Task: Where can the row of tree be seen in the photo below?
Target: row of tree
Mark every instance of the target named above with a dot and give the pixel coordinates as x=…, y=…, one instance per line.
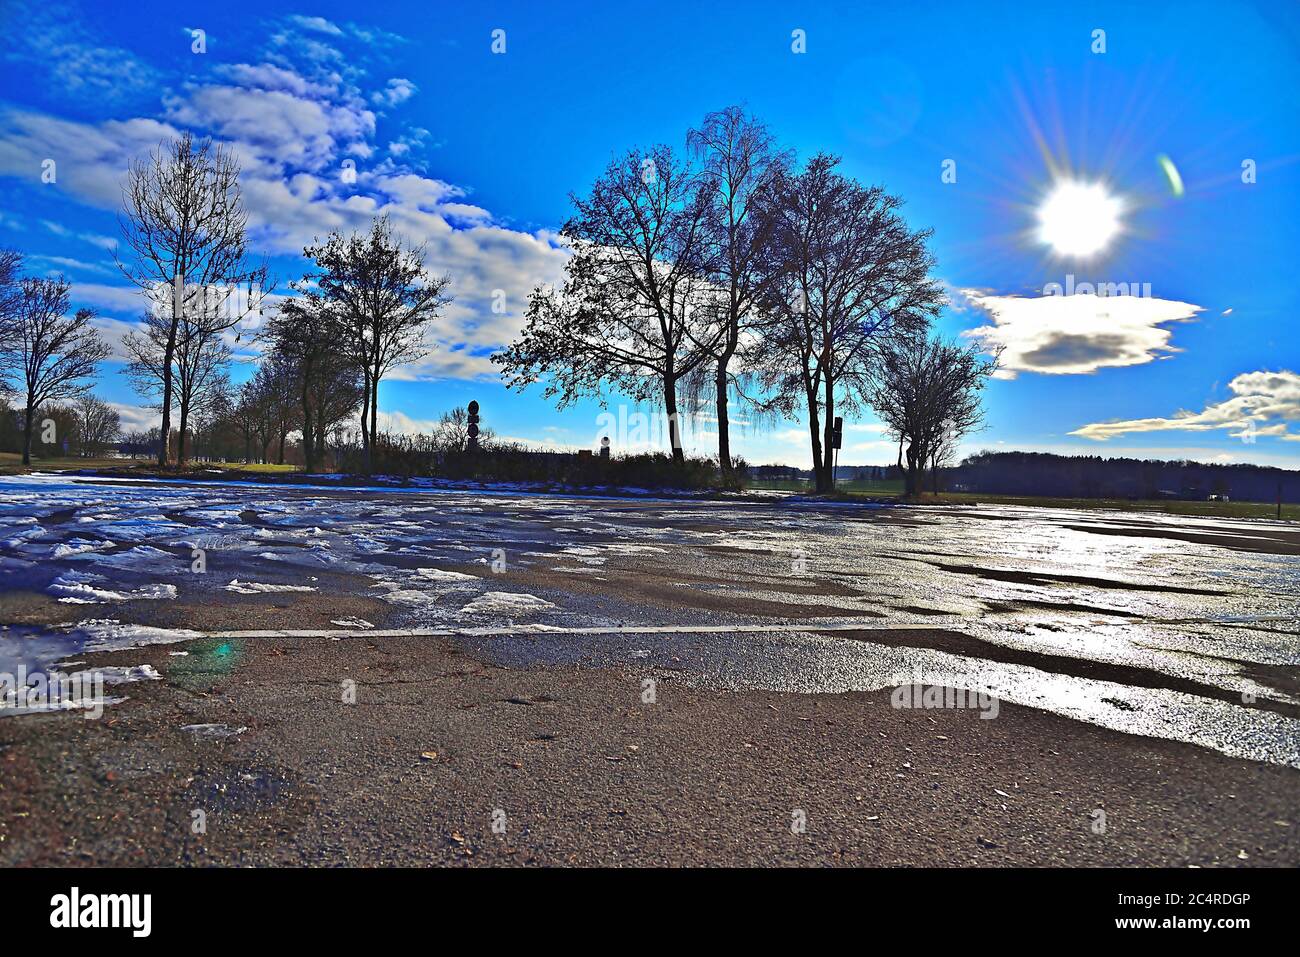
x=361, y=311
x=87, y=427
x=729, y=271
x=48, y=354
x=726, y=273
x=1092, y=476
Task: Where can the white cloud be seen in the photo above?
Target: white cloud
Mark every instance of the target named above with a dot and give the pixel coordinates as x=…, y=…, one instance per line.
x=399, y=423
x=1074, y=334
x=292, y=130
x=107, y=243
x=318, y=24
x=90, y=159
x=278, y=127
x=1262, y=404
x=129, y=299
x=49, y=37
x=137, y=418
x=398, y=90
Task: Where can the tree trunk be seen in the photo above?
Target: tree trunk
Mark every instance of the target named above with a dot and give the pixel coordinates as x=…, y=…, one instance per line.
x=724, y=426
x=828, y=427
x=374, y=418
x=27, y=434
x=915, y=465
x=815, y=432
x=366, y=438
x=169, y=354
x=674, y=427
x=180, y=439
x=308, y=433
x=283, y=436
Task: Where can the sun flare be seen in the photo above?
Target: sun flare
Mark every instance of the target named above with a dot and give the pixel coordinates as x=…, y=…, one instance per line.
x=1079, y=219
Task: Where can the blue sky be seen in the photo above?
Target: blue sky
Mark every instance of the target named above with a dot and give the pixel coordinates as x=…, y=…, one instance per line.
x=474, y=153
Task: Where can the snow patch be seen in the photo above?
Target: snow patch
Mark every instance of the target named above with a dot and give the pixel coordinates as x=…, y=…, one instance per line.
x=257, y=588
x=505, y=603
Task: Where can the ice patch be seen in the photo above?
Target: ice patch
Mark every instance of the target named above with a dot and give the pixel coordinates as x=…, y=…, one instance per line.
x=76, y=589
x=257, y=588
x=139, y=558
x=119, y=674
x=212, y=730
x=440, y=575
x=505, y=603
x=108, y=634
x=78, y=546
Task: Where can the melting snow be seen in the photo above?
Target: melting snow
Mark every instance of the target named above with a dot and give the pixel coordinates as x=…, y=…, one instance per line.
x=256, y=588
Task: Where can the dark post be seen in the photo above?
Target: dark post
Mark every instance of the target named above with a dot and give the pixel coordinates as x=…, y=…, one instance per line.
x=604, y=447
x=472, y=429
x=837, y=438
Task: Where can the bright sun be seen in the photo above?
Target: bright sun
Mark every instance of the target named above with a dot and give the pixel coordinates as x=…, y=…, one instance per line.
x=1079, y=219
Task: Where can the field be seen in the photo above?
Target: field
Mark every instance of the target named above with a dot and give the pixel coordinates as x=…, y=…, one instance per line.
x=11, y=463
x=894, y=489
x=856, y=487
x=1290, y=511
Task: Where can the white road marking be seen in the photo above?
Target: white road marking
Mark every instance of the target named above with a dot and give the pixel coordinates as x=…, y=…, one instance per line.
x=534, y=630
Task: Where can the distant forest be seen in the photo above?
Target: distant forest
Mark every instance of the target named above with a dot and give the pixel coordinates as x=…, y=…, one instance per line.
x=1082, y=476
x=1091, y=476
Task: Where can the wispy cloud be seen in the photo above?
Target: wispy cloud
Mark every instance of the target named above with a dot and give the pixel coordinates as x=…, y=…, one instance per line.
x=1262, y=404
x=51, y=38
x=398, y=90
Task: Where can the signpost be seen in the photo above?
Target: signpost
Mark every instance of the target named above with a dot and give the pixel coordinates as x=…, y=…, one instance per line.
x=837, y=437
x=472, y=429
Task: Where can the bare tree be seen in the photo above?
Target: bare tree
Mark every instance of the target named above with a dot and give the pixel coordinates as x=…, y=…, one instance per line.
x=185, y=225
x=199, y=360
x=844, y=274
x=249, y=416
x=328, y=385
x=11, y=294
x=50, y=355
x=281, y=401
x=140, y=442
x=927, y=393
x=741, y=165
x=634, y=311
x=98, y=424
x=452, y=431
x=382, y=299
x=212, y=422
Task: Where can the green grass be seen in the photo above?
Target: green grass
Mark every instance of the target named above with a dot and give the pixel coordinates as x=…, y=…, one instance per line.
x=11, y=463
x=251, y=467
x=863, y=487
x=1166, y=506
